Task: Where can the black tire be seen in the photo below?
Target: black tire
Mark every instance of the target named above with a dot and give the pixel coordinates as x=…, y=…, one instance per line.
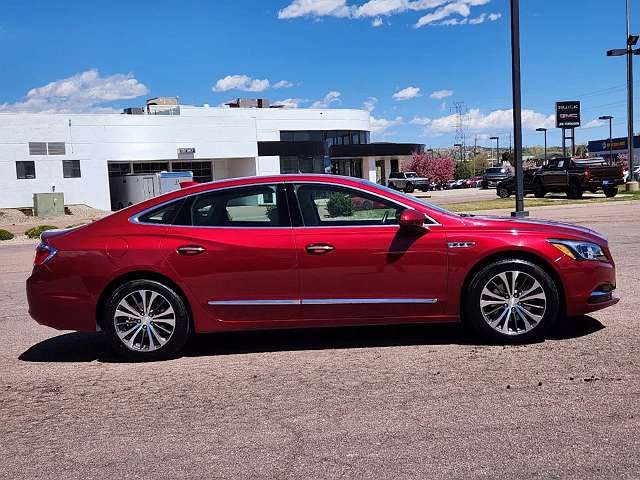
x=538, y=190
x=574, y=191
x=176, y=340
x=610, y=192
x=409, y=188
x=484, y=185
x=473, y=314
x=367, y=205
x=503, y=192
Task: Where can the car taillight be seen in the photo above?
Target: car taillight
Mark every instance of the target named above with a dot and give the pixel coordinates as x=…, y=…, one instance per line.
x=44, y=253
x=587, y=174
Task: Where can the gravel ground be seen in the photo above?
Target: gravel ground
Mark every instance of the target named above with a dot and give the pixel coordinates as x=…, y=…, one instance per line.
x=369, y=402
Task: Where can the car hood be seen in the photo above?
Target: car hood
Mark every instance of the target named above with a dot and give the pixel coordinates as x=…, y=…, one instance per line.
x=547, y=227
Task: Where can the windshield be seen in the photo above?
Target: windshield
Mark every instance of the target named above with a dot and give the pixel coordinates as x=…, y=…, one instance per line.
x=410, y=197
x=495, y=170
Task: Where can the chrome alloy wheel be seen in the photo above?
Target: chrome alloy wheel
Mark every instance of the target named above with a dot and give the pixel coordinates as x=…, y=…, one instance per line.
x=513, y=303
x=144, y=320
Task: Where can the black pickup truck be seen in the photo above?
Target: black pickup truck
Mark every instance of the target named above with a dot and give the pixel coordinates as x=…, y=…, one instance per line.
x=576, y=176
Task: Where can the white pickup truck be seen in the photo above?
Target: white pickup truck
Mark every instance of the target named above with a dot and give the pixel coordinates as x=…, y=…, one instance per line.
x=408, y=182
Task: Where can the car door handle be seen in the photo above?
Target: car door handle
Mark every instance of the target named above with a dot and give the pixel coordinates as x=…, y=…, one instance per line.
x=319, y=248
x=190, y=250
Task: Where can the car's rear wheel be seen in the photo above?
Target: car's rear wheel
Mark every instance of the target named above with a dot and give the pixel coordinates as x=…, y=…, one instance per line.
x=409, y=188
x=538, y=190
x=503, y=192
x=512, y=301
x=146, y=320
x=610, y=192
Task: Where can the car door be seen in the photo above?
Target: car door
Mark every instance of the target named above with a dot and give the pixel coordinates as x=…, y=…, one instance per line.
x=233, y=249
x=355, y=261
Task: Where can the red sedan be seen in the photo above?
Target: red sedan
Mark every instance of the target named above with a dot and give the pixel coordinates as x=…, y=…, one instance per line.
x=292, y=251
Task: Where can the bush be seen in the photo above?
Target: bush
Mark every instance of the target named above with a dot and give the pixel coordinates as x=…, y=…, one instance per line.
x=340, y=205
x=35, y=232
x=5, y=235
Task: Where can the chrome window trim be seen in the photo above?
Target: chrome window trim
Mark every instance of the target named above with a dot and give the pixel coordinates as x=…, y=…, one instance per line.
x=135, y=219
x=315, y=182
x=325, y=301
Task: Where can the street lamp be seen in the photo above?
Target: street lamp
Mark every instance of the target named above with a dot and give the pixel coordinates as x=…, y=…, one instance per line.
x=542, y=129
x=629, y=51
x=608, y=117
x=497, y=139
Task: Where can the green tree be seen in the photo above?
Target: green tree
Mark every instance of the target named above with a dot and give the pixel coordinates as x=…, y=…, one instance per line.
x=463, y=170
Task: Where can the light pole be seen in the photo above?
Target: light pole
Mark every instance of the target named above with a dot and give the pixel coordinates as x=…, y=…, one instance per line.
x=517, y=108
x=542, y=129
x=608, y=117
x=629, y=51
x=497, y=139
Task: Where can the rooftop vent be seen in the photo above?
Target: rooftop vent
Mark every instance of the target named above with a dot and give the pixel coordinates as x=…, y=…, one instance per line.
x=248, y=103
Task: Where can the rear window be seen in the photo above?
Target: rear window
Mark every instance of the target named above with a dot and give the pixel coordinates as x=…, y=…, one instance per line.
x=411, y=174
x=163, y=215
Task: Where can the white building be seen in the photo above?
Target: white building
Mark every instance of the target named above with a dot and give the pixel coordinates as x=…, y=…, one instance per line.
x=76, y=153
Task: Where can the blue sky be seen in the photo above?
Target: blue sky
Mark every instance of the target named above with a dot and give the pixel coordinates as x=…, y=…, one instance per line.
x=408, y=61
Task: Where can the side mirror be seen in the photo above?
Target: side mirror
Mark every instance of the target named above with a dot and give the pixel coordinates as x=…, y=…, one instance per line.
x=412, y=219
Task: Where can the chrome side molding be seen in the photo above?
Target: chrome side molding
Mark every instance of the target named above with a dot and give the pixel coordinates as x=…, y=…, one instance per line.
x=324, y=301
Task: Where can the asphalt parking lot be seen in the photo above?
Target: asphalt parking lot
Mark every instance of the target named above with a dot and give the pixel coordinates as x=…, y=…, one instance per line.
x=369, y=402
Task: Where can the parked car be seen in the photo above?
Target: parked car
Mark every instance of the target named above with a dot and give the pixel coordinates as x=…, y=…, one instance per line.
x=280, y=252
x=507, y=187
x=408, y=182
x=475, y=182
x=636, y=174
x=493, y=175
x=575, y=176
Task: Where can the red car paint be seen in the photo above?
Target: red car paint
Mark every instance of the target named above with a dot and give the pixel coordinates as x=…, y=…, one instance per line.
x=66, y=291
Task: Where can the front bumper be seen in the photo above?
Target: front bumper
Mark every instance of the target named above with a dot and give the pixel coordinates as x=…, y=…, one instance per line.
x=589, y=286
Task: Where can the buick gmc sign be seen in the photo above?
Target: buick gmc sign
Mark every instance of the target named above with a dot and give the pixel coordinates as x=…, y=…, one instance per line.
x=567, y=114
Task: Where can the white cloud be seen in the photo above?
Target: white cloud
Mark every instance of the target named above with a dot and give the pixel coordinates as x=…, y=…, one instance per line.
x=498, y=120
x=370, y=103
x=420, y=121
x=289, y=102
x=440, y=94
x=379, y=125
x=443, y=106
x=459, y=7
x=315, y=8
x=240, y=82
x=82, y=92
x=438, y=11
x=406, y=93
x=283, y=84
x=593, y=123
x=330, y=98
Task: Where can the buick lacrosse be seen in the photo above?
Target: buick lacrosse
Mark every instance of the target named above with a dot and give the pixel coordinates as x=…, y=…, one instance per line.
x=306, y=251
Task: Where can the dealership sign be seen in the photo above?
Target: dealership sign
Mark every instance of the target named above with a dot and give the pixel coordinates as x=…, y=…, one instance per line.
x=567, y=114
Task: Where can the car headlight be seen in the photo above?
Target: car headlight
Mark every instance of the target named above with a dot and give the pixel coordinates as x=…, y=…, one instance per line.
x=579, y=250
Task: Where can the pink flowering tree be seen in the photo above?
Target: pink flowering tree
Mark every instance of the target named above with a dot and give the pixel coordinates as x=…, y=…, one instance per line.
x=439, y=169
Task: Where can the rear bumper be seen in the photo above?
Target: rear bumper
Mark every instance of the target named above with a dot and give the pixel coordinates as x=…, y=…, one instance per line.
x=60, y=303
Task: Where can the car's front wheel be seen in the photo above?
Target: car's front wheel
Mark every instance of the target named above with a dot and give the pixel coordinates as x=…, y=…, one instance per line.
x=409, y=188
x=512, y=301
x=503, y=192
x=146, y=320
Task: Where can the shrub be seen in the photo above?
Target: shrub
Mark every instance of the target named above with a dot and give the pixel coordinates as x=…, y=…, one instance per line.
x=5, y=235
x=35, y=232
x=340, y=205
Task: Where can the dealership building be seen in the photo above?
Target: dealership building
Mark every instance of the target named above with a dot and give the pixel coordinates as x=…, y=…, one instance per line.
x=76, y=154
